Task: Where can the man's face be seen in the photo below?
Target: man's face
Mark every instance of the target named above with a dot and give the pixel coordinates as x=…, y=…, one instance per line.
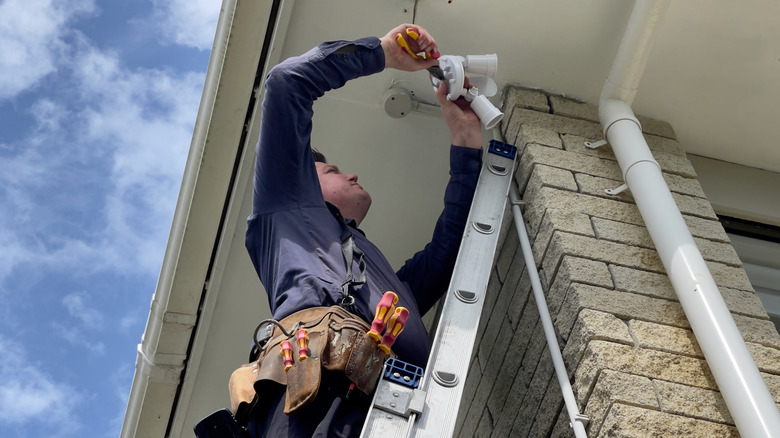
x=343, y=191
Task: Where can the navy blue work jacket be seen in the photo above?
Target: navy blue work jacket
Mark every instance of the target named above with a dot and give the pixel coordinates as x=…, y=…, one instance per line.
x=292, y=237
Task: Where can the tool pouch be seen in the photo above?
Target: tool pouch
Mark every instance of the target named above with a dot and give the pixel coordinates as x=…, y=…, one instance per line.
x=337, y=342
x=303, y=379
x=365, y=363
x=243, y=397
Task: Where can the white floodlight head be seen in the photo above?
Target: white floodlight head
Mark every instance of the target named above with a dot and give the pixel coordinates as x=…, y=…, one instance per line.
x=485, y=65
x=455, y=69
x=488, y=114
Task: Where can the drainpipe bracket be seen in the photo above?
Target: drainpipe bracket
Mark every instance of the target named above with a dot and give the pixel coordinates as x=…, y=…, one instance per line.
x=514, y=199
x=519, y=203
x=617, y=190
x=595, y=144
x=582, y=418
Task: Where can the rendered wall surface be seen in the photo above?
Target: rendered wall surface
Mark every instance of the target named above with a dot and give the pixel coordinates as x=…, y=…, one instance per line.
x=634, y=363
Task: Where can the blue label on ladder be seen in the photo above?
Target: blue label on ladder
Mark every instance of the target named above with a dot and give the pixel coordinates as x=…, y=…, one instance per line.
x=502, y=149
x=402, y=373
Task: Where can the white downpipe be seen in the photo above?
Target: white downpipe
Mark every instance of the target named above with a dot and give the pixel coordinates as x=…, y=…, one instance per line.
x=739, y=380
x=576, y=420
x=631, y=58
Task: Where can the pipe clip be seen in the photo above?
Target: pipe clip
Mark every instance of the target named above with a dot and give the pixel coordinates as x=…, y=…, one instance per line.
x=617, y=190
x=596, y=144
x=582, y=418
x=514, y=197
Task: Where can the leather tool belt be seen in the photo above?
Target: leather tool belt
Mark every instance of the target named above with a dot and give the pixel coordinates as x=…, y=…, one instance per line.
x=337, y=342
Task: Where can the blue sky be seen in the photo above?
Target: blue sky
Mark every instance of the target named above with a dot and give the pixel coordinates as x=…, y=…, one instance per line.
x=97, y=106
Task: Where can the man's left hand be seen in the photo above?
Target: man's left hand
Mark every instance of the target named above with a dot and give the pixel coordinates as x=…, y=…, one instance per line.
x=464, y=124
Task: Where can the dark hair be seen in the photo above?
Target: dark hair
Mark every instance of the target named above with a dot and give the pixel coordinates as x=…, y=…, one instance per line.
x=318, y=156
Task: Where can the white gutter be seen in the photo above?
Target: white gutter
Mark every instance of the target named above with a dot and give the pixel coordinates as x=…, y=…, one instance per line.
x=152, y=367
x=746, y=395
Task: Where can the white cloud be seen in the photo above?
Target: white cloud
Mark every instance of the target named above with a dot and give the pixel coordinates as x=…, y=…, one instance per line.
x=13, y=253
x=77, y=308
x=90, y=188
x=76, y=336
x=121, y=381
x=145, y=119
x=95, y=184
x=32, y=34
x=110, y=147
x=90, y=320
x=130, y=321
x=188, y=22
x=30, y=395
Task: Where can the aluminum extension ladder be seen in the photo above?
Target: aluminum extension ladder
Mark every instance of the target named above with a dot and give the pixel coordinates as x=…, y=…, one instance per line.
x=408, y=401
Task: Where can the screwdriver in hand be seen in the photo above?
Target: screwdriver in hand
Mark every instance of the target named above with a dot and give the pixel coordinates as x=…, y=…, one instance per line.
x=435, y=71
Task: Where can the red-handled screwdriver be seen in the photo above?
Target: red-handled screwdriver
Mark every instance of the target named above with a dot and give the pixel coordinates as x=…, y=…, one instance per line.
x=303, y=344
x=384, y=310
x=435, y=70
x=414, y=35
x=287, y=354
x=394, y=328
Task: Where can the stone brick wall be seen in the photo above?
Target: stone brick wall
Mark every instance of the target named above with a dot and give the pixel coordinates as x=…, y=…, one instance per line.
x=634, y=363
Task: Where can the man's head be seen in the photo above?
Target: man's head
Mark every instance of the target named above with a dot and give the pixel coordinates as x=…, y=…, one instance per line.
x=342, y=190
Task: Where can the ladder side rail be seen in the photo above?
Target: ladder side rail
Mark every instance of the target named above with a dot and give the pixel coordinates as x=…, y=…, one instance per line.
x=453, y=344
x=438, y=400
x=577, y=420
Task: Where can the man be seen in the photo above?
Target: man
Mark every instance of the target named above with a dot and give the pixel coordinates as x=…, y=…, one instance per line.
x=305, y=211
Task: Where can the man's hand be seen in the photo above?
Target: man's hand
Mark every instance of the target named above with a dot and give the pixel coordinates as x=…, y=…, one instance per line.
x=397, y=58
x=464, y=124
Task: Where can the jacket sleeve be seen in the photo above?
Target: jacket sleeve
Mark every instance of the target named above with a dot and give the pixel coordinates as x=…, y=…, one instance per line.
x=285, y=176
x=428, y=272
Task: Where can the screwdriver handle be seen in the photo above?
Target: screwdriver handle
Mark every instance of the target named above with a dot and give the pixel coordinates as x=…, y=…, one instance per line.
x=399, y=38
x=303, y=344
x=287, y=354
x=394, y=328
x=424, y=55
x=384, y=310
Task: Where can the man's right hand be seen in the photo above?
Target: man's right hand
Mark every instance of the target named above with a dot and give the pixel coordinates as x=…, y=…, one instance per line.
x=396, y=57
x=464, y=124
